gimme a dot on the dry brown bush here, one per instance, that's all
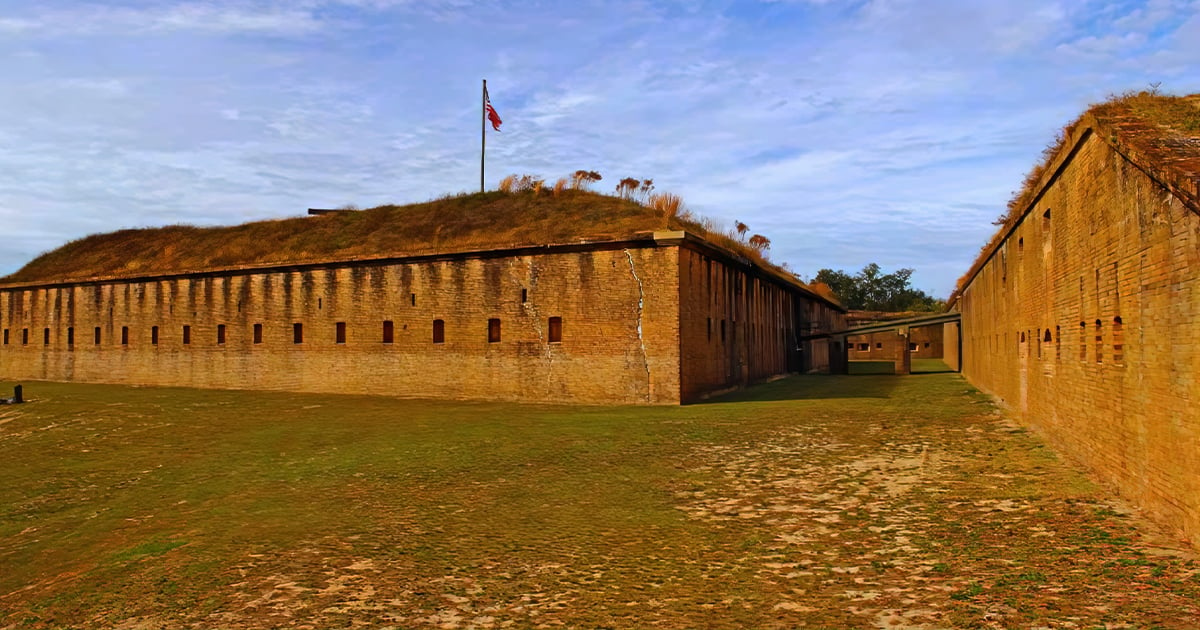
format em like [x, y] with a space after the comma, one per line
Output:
[508, 184]
[669, 204]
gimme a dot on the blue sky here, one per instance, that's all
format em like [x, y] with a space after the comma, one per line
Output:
[848, 132]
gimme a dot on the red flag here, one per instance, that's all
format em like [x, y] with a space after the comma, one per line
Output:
[492, 116]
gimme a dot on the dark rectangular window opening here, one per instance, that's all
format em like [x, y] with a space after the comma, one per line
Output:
[45, 336]
[439, 331]
[413, 298]
[96, 335]
[124, 335]
[70, 336]
[722, 331]
[493, 330]
[864, 346]
[258, 333]
[297, 333]
[187, 335]
[389, 332]
[524, 295]
[220, 334]
[878, 345]
[709, 325]
[154, 335]
[6, 336]
[340, 332]
[555, 330]
[24, 336]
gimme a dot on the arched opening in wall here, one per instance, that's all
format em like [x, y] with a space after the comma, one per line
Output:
[555, 330]
[1118, 341]
[187, 334]
[258, 333]
[154, 335]
[220, 334]
[96, 335]
[339, 332]
[439, 331]
[124, 335]
[45, 336]
[1046, 222]
[70, 337]
[297, 333]
[389, 331]
[1099, 342]
[494, 330]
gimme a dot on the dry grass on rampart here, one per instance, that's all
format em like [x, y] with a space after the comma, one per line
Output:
[525, 215]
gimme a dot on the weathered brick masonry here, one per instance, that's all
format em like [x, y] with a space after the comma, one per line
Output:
[1085, 317]
[607, 322]
[923, 342]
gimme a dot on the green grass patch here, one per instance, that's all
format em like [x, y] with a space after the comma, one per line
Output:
[858, 368]
[763, 508]
[149, 548]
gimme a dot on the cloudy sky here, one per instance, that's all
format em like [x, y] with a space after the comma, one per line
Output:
[849, 132]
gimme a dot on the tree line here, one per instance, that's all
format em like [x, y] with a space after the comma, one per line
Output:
[873, 290]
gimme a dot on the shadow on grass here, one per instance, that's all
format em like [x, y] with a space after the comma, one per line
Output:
[812, 387]
[859, 368]
[930, 366]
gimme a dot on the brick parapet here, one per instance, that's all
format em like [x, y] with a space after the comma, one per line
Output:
[618, 304]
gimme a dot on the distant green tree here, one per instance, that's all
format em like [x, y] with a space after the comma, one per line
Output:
[873, 290]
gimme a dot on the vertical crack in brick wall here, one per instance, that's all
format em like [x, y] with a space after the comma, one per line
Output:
[531, 305]
[640, 306]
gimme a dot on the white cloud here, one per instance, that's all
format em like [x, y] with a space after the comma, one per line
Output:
[191, 16]
[888, 130]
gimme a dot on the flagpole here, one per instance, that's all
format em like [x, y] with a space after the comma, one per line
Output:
[482, 131]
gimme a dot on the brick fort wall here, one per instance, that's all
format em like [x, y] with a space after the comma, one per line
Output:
[1085, 320]
[465, 327]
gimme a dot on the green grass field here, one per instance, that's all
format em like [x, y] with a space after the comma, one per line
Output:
[919, 366]
[822, 501]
